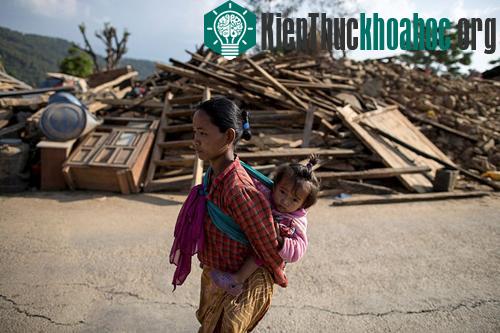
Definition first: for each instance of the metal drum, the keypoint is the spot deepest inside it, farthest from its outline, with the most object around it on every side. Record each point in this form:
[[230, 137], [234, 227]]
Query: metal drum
[[66, 118]]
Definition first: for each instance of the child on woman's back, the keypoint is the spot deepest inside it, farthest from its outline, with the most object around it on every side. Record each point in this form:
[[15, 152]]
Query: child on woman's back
[[295, 190]]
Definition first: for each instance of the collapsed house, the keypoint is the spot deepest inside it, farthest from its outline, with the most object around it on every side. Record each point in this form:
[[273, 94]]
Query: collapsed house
[[379, 127]]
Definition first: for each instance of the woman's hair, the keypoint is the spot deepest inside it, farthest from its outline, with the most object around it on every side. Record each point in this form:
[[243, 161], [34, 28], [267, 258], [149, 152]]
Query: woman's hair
[[301, 175], [225, 114]]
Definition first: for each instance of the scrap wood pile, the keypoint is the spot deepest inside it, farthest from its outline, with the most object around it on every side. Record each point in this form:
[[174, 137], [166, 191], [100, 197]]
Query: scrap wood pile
[[10, 84], [366, 120], [297, 102], [21, 106]]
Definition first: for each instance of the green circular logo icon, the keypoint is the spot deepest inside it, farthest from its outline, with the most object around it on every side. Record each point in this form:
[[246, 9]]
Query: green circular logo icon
[[230, 30]]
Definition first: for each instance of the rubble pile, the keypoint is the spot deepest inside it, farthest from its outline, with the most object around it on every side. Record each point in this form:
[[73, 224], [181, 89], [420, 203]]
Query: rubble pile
[[343, 110], [468, 110]]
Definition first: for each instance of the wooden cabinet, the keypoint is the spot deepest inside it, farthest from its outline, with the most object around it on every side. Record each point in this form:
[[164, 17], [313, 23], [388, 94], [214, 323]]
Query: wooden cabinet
[[113, 157], [53, 155]]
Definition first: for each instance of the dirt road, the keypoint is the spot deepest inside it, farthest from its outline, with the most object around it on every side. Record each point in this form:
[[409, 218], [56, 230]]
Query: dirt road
[[93, 262]]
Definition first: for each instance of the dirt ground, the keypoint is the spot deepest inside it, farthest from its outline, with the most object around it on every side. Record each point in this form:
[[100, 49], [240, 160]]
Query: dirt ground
[[94, 262]]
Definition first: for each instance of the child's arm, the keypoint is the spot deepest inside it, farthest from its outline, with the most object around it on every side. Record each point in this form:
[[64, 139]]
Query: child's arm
[[294, 248], [246, 270]]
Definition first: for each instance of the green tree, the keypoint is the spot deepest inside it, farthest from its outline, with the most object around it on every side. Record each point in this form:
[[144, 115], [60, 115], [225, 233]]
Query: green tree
[[77, 63], [440, 61]]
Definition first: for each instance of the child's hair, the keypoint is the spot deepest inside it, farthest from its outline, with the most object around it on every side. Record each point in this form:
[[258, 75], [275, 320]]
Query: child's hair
[[301, 174], [225, 114]]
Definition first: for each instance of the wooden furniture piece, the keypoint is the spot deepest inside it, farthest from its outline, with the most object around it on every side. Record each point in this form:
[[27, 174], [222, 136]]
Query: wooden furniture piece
[[113, 157], [53, 155]]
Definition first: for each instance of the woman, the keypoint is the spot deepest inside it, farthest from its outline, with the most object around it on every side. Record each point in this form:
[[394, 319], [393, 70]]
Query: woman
[[218, 126]]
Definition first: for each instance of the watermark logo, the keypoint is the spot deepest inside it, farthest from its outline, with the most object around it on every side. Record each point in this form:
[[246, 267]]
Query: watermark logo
[[230, 30]]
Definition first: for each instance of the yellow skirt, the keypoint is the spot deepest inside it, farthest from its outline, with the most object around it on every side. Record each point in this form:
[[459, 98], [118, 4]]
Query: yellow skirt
[[222, 312]]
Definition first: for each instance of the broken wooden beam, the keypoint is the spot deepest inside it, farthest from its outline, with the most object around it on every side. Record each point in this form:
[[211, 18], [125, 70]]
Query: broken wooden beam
[[20, 93], [397, 198], [275, 82], [188, 159], [308, 126], [325, 86], [359, 187], [178, 128], [129, 102], [373, 173], [114, 82], [176, 144]]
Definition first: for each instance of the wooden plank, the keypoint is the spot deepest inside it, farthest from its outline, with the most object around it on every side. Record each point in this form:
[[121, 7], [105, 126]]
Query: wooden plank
[[188, 159], [7, 78], [238, 74], [182, 182], [189, 99], [170, 183], [296, 75], [373, 173], [34, 102], [358, 187], [308, 126], [336, 86], [157, 151], [21, 93], [297, 152], [129, 102], [179, 71], [396, 198], [275, 83], [305, 64], [114, 82], [178, 128], [395, 156], [205, 72], [137, 174], [176, 144], [179, 113]]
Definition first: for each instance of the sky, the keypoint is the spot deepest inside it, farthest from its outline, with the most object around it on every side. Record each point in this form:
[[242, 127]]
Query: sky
[[164, 29]]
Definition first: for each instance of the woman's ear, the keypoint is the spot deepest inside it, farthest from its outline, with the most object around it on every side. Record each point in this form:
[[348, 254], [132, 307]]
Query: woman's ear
[[230, 136]]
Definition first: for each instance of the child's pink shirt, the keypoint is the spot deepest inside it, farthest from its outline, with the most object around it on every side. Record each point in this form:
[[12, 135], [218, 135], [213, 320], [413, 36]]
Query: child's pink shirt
[[295, 246]]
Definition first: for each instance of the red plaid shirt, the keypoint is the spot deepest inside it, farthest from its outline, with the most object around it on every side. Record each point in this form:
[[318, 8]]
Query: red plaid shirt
[[233, 191]]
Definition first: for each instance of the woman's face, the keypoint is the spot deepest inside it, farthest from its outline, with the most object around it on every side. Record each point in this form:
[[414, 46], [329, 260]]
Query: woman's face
[[208, 141], [288, 198]]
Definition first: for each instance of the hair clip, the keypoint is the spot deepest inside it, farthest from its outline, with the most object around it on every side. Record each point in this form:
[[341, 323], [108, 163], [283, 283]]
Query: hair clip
[[246, 125], [309, 166]]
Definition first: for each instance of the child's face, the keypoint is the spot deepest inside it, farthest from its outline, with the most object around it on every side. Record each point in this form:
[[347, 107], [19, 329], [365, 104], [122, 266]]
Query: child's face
[[208, 141], [287, 198]]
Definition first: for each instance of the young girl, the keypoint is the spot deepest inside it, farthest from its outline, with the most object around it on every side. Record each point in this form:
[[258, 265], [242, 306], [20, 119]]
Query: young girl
[[295, 190]]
